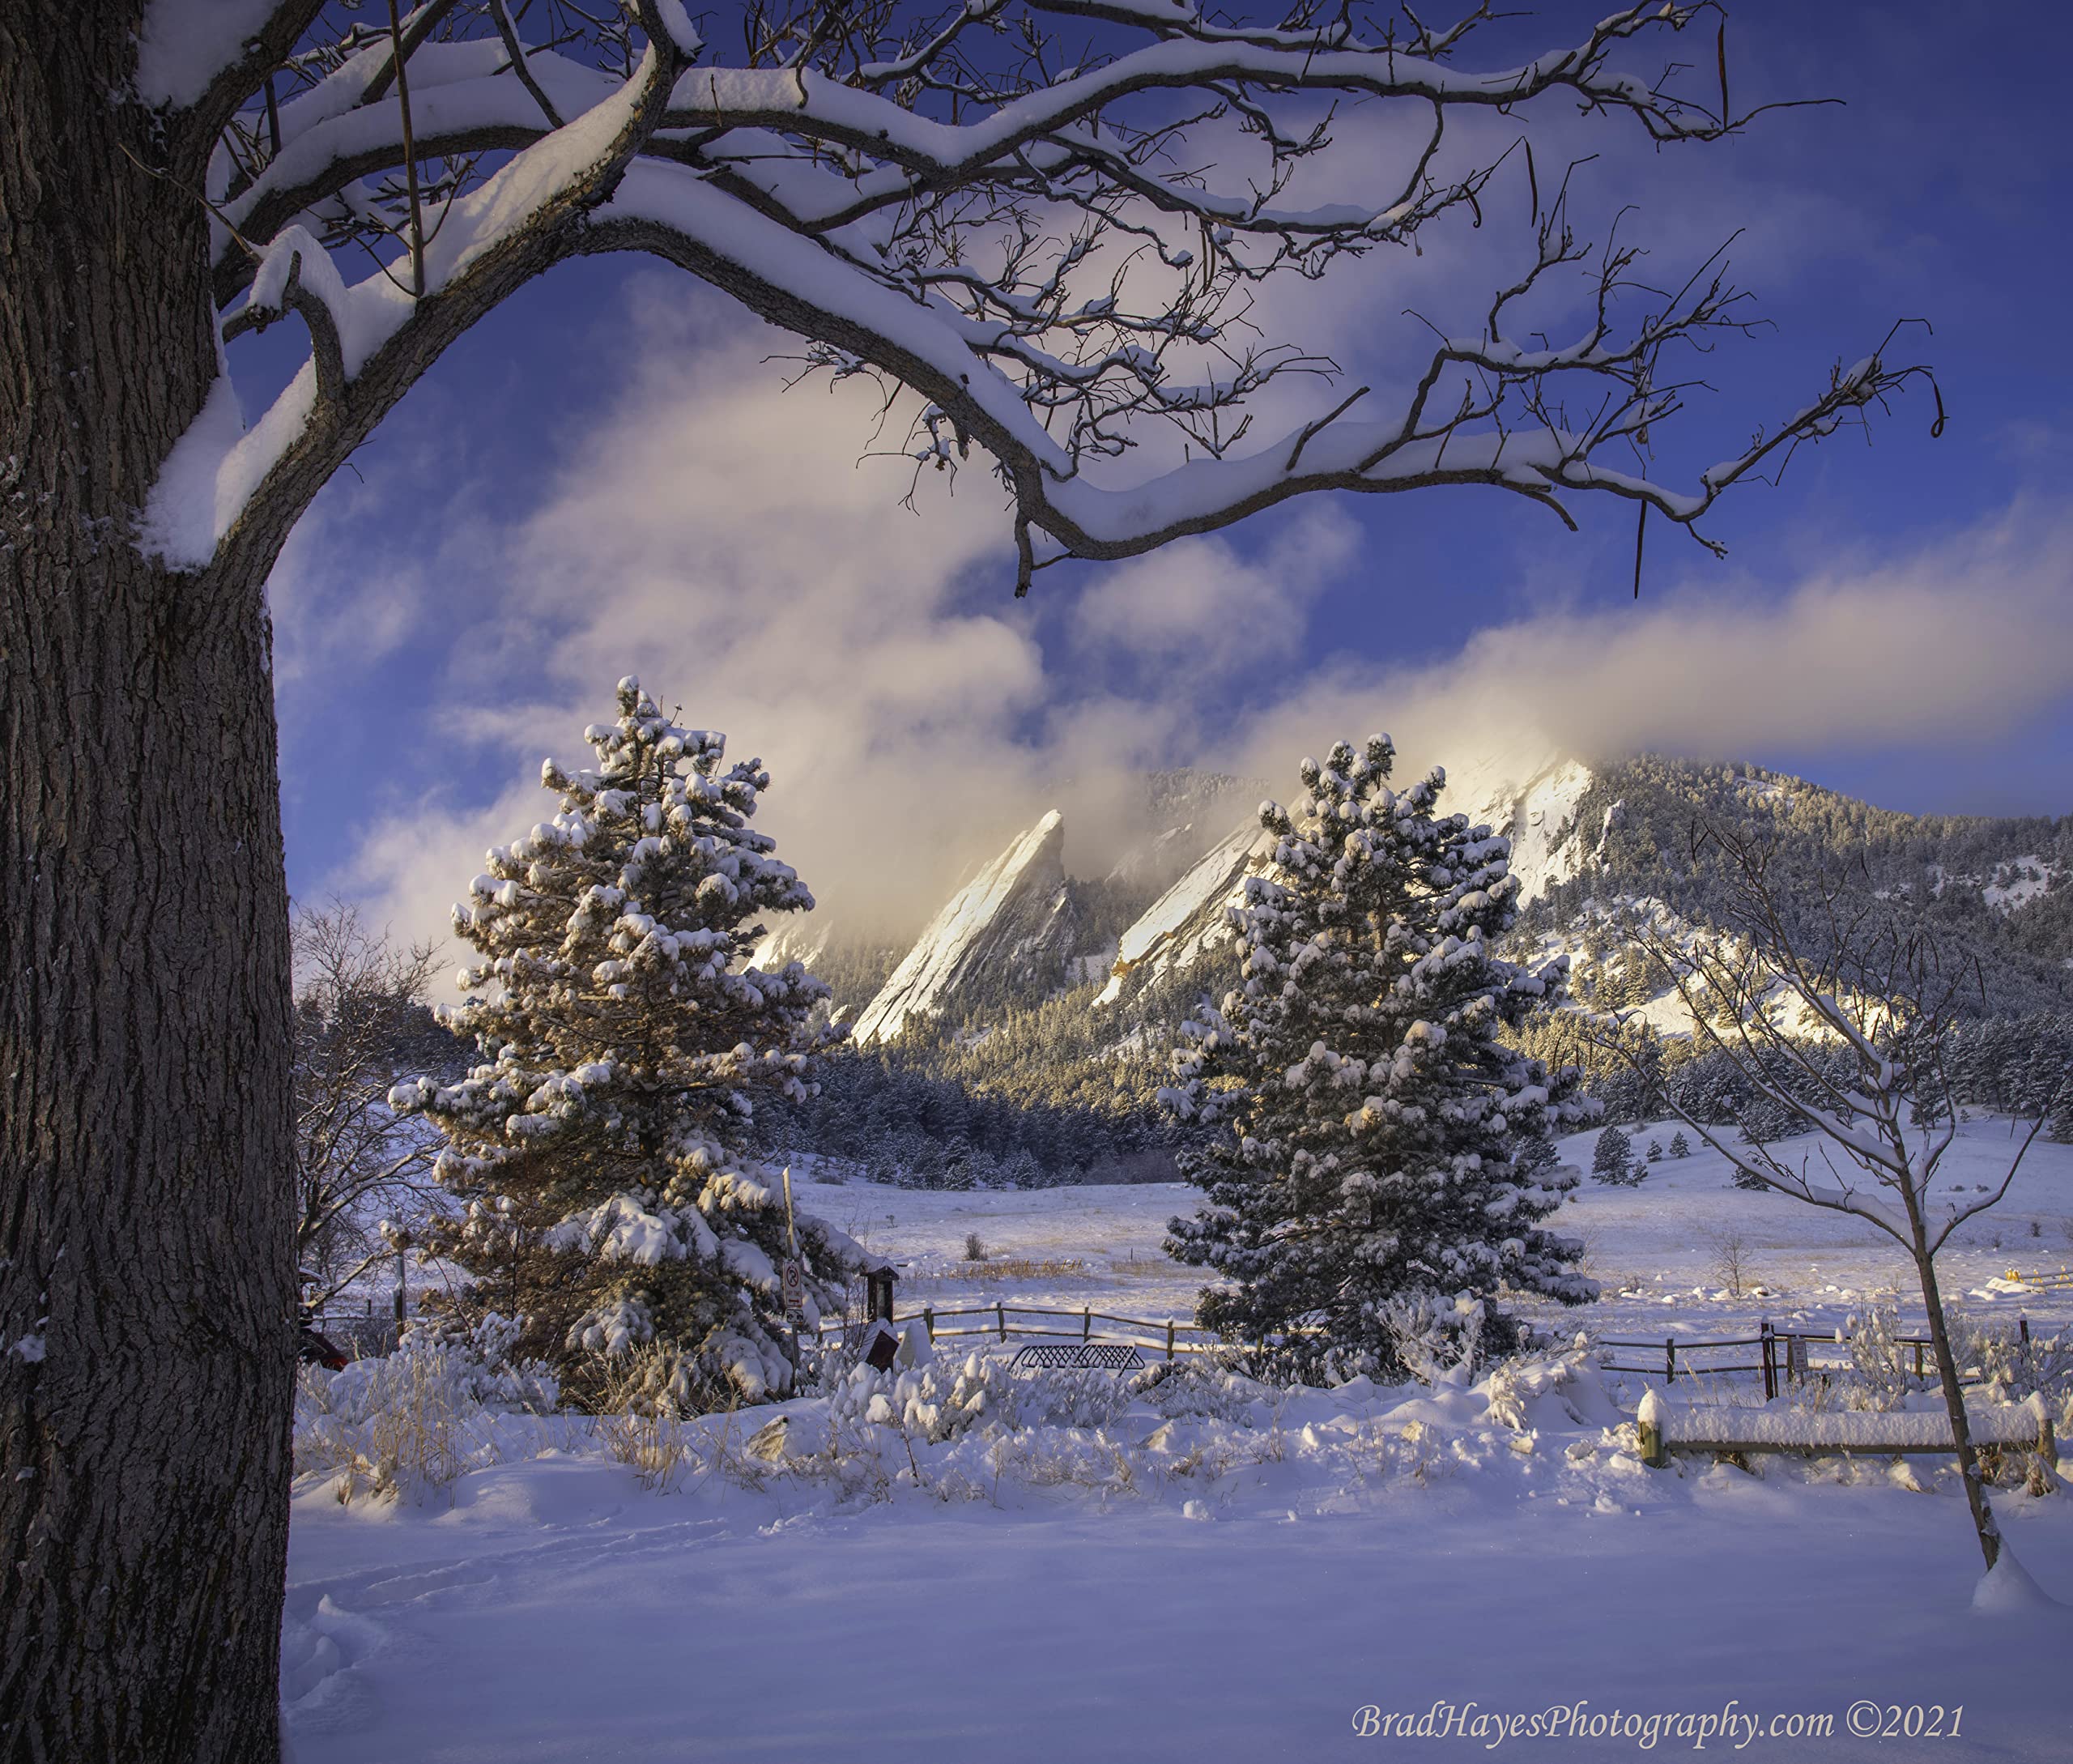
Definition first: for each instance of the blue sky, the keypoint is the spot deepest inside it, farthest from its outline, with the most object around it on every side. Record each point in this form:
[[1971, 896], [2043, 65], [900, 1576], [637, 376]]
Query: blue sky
[[608, 478]]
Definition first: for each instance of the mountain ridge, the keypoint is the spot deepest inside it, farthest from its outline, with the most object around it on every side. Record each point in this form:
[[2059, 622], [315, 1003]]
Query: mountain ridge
[[1582, 833]]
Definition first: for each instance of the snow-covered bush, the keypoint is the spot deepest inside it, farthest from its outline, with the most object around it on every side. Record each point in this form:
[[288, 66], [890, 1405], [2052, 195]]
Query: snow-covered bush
[[937, 1400], [1436, 1344], [404, 1424], [1882, 1362], [650, 1442], [482, 1355], [1198, 1386], [2010, 1365], [1999, 1363], [648, 1381]]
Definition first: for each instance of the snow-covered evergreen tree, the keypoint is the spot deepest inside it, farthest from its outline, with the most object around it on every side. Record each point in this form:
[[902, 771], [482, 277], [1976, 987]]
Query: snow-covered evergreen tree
[[1370, 1121], [1655, 1151], [1679, 1146], [1612, 1160], [2062, 1115], [599, 1146]]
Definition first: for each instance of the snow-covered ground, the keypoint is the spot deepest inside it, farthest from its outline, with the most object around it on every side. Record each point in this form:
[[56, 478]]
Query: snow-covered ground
[[1658, 1250], [1208, 1571]]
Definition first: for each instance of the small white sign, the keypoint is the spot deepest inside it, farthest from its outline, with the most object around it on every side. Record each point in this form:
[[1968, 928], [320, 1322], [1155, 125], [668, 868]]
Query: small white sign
[[795, 1287]]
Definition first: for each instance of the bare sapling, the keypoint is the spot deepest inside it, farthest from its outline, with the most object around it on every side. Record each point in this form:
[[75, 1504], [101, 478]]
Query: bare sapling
[[1837, 1012]]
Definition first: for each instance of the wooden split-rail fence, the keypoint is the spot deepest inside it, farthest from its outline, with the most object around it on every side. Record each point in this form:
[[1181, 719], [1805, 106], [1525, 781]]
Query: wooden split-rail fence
[[1783, 1356], [1700, 1429]]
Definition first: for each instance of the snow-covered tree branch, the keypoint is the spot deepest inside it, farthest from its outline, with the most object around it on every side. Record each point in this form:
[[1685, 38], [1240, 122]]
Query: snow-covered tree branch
[[1060, 249]]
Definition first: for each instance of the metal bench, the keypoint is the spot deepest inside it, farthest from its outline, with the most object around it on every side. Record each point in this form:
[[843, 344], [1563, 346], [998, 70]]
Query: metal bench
[[1117, 1357]]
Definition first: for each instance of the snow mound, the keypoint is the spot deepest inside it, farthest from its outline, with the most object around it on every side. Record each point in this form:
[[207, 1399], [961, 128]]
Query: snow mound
[[2007, 1590]]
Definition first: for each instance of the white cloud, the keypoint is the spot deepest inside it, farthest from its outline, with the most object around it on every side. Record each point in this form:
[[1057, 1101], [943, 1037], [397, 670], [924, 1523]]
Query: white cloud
[[1198, 610], [1952, 645], [745, 565], [727, 546]]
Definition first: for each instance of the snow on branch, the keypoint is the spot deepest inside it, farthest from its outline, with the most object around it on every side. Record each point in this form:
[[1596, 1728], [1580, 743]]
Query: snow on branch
[[373, 338], [186, 47], [1056, 241]]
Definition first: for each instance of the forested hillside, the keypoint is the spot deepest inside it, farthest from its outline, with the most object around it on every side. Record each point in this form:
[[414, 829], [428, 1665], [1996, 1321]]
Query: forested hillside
[[1047, 1069]]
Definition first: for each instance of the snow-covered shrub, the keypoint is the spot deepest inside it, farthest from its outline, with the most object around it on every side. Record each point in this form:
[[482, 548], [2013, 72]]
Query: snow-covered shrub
[[2010, 1366], [653, 1445], [1199, 1386], [937, 1400], [404, 1424], [1067, 1396], [650, 1381], [1997, 1362], [392, 1428], [482, 1355], [1883, 1363], [1437, 1345]]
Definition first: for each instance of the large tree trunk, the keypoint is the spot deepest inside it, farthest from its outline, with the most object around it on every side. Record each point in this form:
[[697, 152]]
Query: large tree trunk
[[146, 1276]]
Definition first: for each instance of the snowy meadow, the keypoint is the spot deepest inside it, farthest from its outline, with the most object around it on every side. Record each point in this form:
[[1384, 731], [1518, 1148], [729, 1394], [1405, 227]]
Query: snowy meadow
[[952, 1558]]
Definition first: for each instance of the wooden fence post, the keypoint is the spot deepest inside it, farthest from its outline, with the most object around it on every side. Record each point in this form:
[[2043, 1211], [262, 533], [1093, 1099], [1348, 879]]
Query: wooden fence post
[[1085, 1322], [2044, 1474], [1000, 1317], [929, 1317], [1649, 1423], [1169, 1338], [1670, 1359], [1768, 1343], [2023, 1330]]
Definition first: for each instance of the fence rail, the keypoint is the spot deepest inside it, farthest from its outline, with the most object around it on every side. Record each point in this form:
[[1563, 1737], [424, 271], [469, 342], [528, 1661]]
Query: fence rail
[[1665, 1428], [1783, 1356]]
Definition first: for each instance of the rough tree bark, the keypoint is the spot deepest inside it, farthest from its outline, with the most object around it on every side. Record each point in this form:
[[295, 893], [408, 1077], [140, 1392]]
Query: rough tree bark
[[146, 1275]]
